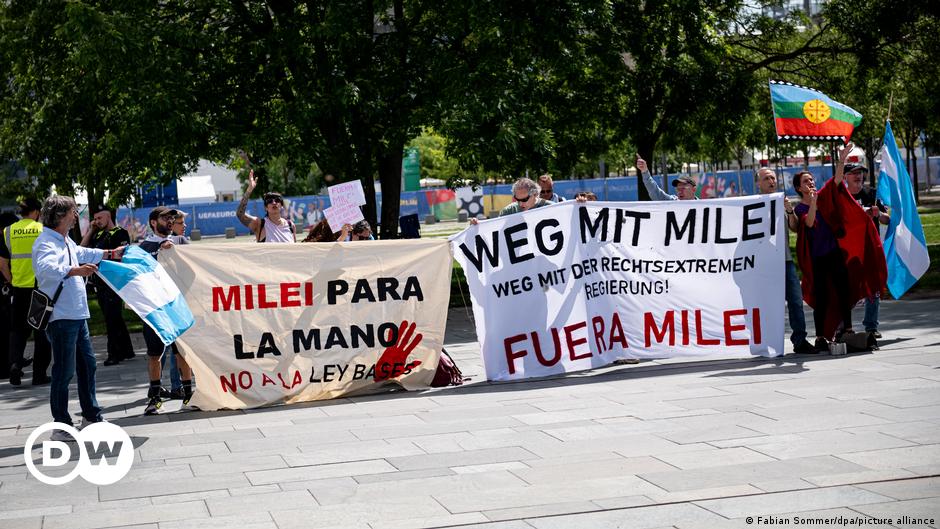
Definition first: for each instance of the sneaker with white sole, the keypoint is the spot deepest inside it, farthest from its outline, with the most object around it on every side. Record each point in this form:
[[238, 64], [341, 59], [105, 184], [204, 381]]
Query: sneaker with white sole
[[86, 422]]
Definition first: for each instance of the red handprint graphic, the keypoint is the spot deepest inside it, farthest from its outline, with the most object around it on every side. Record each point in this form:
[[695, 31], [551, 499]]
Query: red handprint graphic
[[392, 362]]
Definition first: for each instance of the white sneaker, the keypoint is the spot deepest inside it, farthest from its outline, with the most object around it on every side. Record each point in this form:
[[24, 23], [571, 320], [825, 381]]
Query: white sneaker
[[62, 435]]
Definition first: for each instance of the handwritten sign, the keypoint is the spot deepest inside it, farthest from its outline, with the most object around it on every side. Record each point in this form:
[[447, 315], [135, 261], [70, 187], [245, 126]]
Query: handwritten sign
[[336, 216], [347, 193]]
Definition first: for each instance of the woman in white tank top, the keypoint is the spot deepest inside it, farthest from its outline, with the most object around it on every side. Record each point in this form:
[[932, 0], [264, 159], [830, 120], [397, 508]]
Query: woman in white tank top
[[272, 227]]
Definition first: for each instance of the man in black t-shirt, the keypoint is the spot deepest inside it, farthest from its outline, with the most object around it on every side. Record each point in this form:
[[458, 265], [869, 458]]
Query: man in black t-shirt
[[105, 235], [161, 219], [867, 198]]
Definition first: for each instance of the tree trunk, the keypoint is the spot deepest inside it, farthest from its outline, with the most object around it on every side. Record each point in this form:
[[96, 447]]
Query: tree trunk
[[389, 162]]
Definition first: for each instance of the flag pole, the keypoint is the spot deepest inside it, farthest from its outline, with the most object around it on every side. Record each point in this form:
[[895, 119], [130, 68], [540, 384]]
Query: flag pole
[[890, 102]]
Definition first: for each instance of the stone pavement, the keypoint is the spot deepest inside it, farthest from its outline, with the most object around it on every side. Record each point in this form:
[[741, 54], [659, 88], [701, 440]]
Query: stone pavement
[[675, 443]]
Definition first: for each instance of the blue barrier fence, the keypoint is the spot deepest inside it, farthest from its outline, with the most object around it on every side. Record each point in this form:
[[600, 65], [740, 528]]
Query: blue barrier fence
[[214, 217]]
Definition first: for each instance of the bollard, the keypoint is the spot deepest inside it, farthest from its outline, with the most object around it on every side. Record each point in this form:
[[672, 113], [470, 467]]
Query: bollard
[[195, 235], [430, 219], [462, 216], [229, 232]]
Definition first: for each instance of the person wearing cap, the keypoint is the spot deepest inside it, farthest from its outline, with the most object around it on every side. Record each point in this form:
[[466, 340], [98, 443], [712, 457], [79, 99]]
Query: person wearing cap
[[866, 197], [272, 227], [103, 234], [17, 268], [685, 185], [161, 219], [767, 184]]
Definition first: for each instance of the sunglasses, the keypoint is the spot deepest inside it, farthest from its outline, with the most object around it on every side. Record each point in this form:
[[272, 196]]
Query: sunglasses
[[548, 191], [523, 199], [270, 201]]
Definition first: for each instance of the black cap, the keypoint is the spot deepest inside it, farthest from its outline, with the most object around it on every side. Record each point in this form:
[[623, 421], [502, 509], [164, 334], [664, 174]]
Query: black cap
[[160, 211], [29, 205], [853, 167], [685, 179], [98, 209]]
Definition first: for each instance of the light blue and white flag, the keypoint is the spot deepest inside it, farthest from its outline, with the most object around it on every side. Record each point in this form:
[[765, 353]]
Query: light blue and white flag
[[905, 245], [148, 290]]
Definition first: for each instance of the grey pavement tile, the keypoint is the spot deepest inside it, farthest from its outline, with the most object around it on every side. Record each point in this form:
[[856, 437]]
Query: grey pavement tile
[[231, 506], [227, 434], [863, 476], [328, 424], [714, 457], [829, 442], [896, 457], [710, 434], [783, 485], [922, 413], [907, 489], [7, 514], [160, 487], [430, 522], [920, 432], [801, 500], [743, 474], [819, 422], [462, 413], [489, 467], [139, 515], [131, 503], [546, 493], [399, 476], [639, 518], [168, 473], [265, 477], [248, 463], [392, 432], [552, 509], [537, 417], [251, 491], [463, 458], [287, 444], [257, 519], [149, 453], [703, 494], [354, 451], [515, 524], [402, 491], [911, 398], [30, 522], [624, 502], [924, 509], [589, 470], [357, 514], [191, 496]]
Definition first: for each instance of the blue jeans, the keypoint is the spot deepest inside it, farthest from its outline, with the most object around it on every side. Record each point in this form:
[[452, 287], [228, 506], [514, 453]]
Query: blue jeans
[[169, 357], [794, 295], [71, 352], [871, 313]]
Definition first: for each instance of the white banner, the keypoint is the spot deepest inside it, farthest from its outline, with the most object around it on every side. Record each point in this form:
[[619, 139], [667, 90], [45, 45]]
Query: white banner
[[574, 286], [298, 322]]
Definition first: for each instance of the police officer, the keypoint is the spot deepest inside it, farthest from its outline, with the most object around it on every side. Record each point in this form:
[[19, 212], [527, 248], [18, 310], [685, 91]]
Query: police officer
[[16, 265], [103, 234]]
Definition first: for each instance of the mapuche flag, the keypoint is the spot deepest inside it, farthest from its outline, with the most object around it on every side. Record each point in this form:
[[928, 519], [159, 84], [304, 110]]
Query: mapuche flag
[[802, 113]]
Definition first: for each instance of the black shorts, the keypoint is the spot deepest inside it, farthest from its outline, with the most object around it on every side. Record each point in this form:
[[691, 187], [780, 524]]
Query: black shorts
[[155, 345]]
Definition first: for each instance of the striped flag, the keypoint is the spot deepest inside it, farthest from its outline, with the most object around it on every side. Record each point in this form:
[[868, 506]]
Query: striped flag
[[801, 113], [905, 244], [148, 290]]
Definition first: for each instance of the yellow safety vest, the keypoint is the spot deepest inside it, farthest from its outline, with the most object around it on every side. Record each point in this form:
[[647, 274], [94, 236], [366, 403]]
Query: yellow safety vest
[[19, 238]]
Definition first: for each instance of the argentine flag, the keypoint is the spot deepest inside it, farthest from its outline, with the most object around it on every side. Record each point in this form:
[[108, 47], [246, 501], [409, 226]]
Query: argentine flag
[[148, 290], [905, 245]]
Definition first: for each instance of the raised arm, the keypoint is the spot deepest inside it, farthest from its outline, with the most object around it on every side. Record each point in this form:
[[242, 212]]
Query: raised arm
[[249, 221], [839, 175], [655, 192], [810, 218]]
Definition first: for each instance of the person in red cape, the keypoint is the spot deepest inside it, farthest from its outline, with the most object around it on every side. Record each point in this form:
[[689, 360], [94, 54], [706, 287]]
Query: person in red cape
[[839, 251]]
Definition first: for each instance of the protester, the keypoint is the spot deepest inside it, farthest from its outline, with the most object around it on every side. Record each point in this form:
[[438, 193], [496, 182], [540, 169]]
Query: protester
[[160, 221], [178, 228], [6, 303], [361, 231], [104, 235], [767, 184], [547, 189], [59, 262], [685, 185], [585, 196], [272, 227], [16, 266], [866, 197], [321, 232]]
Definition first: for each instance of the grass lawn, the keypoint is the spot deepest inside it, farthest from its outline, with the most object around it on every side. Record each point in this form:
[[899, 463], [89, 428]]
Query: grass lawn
[[96, 323]]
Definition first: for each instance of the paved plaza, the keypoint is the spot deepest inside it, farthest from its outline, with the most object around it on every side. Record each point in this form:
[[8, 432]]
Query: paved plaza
[[678, 443]]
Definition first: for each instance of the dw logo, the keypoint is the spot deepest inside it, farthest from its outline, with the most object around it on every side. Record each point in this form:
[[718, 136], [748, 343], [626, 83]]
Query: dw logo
[[96, 444]]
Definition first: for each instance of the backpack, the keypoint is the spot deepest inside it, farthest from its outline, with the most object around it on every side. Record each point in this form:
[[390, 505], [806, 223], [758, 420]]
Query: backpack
[[448, 374]]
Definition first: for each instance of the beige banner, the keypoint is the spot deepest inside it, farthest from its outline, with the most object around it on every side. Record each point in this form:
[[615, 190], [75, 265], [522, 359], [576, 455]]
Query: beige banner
[[298, 322]]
